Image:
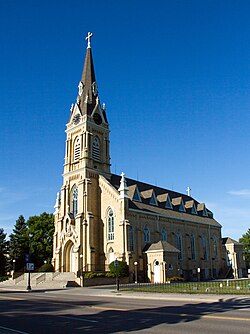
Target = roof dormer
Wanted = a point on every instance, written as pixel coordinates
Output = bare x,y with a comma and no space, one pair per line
134,194
165,198
150,196
190,207
178,204
201,209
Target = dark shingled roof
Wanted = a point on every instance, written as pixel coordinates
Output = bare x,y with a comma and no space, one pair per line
163,246
228,240
87,101
146,189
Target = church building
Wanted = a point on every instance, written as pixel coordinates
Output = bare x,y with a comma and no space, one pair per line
101,217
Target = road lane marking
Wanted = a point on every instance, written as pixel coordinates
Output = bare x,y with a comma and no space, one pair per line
78,319
12,298
107,308
42,299
13,330
224,318
198,316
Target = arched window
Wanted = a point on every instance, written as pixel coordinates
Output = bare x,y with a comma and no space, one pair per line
77,149
96,149
146,234
131,238
163,234
193,251
111,225
204,247
179,245
215,246
74,200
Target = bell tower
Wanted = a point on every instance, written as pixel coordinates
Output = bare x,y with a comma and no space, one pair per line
87,144
78,238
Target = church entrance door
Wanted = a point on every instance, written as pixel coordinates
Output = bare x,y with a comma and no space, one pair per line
157,272
68,258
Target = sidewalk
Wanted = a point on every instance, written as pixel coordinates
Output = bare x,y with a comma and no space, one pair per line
110,291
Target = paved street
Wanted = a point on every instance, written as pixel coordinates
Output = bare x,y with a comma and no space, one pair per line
93,310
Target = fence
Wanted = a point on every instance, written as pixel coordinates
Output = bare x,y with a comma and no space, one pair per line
223,286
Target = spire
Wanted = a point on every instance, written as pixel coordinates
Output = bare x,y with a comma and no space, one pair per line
87,93
123,189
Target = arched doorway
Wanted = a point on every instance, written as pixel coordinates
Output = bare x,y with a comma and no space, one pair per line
157,272
69,257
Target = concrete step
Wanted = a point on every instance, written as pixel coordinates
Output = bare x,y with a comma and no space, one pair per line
44,280
64,276
8,282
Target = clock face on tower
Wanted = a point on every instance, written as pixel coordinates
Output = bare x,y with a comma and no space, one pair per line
76,119
97,119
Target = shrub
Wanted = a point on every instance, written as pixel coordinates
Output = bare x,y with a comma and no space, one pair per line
46,268
176,279
121,270
4,278
109,274
90,275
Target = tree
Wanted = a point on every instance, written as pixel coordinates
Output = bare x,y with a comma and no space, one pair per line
41,230
121,269
3,251
19,243
245,240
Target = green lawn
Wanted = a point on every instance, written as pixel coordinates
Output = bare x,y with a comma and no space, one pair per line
212,287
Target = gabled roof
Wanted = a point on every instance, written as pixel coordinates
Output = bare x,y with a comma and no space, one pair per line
150,196
164,198
178,202
190,207
133,193
201,209
228,240
144,191
162,246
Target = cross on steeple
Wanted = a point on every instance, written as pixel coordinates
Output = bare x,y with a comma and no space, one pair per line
88,39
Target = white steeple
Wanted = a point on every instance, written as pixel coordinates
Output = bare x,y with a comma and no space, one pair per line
123,189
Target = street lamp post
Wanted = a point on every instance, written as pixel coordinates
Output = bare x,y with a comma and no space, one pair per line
116,264
81,264
136,271
198,274
14,265
28,264
28,286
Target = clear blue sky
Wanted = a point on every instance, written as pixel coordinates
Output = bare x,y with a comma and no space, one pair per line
175,77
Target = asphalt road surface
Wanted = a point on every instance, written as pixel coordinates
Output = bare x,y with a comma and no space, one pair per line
73,312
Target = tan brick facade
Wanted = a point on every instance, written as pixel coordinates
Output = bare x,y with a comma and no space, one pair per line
100,217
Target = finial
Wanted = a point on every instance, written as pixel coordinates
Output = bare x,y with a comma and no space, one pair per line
123,189
57,205
80,88
103,106
88,39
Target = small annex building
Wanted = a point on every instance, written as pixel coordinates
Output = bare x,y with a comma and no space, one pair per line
100,216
